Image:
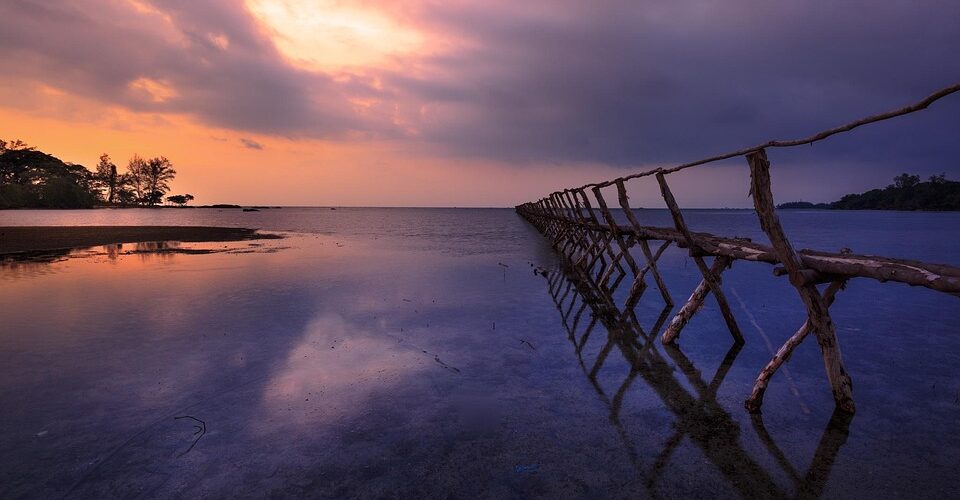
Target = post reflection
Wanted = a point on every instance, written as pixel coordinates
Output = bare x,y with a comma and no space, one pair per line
586,309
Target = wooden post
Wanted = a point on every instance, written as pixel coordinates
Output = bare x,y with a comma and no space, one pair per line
608,238
639,285
553,227
581,248
615,230
565,238
712,280
598,243
588,243
818,313
651,260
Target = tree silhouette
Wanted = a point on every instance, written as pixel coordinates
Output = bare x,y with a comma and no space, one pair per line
106,176
150,179
137,178
180,199
906,180
123,191
14,145
159,174
31,178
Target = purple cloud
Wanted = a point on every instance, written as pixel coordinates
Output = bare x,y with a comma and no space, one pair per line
621,83
173,59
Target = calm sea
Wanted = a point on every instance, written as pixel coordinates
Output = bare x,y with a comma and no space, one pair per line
415,353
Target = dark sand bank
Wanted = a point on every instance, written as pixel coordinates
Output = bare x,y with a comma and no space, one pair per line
18,239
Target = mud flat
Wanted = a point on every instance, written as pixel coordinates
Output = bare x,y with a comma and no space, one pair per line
19,239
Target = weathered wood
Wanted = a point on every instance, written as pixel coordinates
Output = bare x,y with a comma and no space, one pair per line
583,248
652,266
713,280
651,259
567,218
615,230
607,239
569,235
755,401
940,277
595,242
817,310
693,304
591,217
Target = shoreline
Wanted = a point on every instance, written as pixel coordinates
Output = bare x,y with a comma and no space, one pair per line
22,239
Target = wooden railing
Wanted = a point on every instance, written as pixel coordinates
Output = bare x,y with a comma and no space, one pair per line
584,230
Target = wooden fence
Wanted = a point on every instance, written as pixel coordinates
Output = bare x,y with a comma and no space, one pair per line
583,229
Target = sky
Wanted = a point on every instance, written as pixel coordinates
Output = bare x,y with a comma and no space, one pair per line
484,103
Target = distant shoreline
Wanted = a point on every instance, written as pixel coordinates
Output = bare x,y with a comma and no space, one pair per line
144,207
907,194
251,208
22,239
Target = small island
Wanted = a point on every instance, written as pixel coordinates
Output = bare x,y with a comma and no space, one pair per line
907,192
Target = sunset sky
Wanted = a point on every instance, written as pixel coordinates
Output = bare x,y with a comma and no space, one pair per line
485,103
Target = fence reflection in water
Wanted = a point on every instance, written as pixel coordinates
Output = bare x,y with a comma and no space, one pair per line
589,315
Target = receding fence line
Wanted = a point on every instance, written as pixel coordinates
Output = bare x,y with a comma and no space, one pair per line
600,251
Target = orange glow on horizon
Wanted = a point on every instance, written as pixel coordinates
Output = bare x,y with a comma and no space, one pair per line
338,102
213,164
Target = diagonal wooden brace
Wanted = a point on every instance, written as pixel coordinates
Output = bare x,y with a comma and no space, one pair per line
602,239
651,259
712,279
615,231
694,303
755,401
582,247
597,244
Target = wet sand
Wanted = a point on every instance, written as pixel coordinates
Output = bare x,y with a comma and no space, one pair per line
19,239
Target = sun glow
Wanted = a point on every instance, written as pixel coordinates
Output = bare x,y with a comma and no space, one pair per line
333,34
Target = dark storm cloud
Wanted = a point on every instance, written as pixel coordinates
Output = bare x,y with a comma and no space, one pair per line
627,83
622,83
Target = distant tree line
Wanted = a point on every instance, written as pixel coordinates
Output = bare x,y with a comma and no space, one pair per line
33,179
907,192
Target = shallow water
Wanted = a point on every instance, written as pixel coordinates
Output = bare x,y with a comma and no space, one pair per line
414,352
